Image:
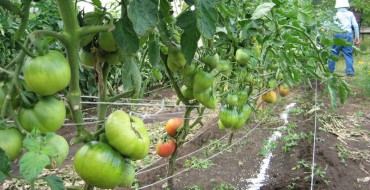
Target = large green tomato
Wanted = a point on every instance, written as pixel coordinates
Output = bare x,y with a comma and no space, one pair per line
11,141
99,165
241,56
47,74
61,145
127,134
47,115
129,175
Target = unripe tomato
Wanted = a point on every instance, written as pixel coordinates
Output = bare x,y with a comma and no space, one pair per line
211,60
99,165
47,115
47,74
176,58
272,83
87,58
202,81
229,116
241,56
11,141
61,146
232,99
165,149
107,42
157,73
113,59
172,125
129,175
187,92
242,97
127,134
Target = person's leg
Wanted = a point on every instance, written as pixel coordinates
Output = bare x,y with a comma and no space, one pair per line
348,55
334,51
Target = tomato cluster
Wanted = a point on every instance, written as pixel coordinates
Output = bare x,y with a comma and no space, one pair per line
166,146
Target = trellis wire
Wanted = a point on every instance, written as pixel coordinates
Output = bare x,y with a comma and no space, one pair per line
314,142
183,171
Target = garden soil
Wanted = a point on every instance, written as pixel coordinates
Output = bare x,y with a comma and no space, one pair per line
206,161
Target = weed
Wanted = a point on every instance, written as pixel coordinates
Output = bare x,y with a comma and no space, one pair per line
224,187
342,153
302,164
359,114
194,187
290,141
267,147
198,163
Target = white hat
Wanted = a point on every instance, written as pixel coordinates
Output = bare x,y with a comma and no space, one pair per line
341,3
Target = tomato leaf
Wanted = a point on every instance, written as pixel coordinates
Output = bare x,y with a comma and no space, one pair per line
32,164
153,52
125,36
342,94
341,42
32,143
190,36
262,10
189,2
48,148
4,163
97,3
54,182
207,17
132,77
332,95
3,176
143,15
166,12
305,16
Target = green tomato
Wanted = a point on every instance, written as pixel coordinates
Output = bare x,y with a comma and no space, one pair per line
272,83
113,59
232,99
187,92
107,42
176,58
129,175
99,165
207,98
229,117
61,145
157,73
220,125
245,111
11,141
241,56
202,81
127,134
87,58
242,97
47,74
211,60
189,70
47,115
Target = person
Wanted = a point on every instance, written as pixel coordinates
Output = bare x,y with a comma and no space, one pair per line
345,20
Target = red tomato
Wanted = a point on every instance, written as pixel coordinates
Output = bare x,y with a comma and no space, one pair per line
165,149
172,125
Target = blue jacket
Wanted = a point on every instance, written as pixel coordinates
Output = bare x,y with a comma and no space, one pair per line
345,20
